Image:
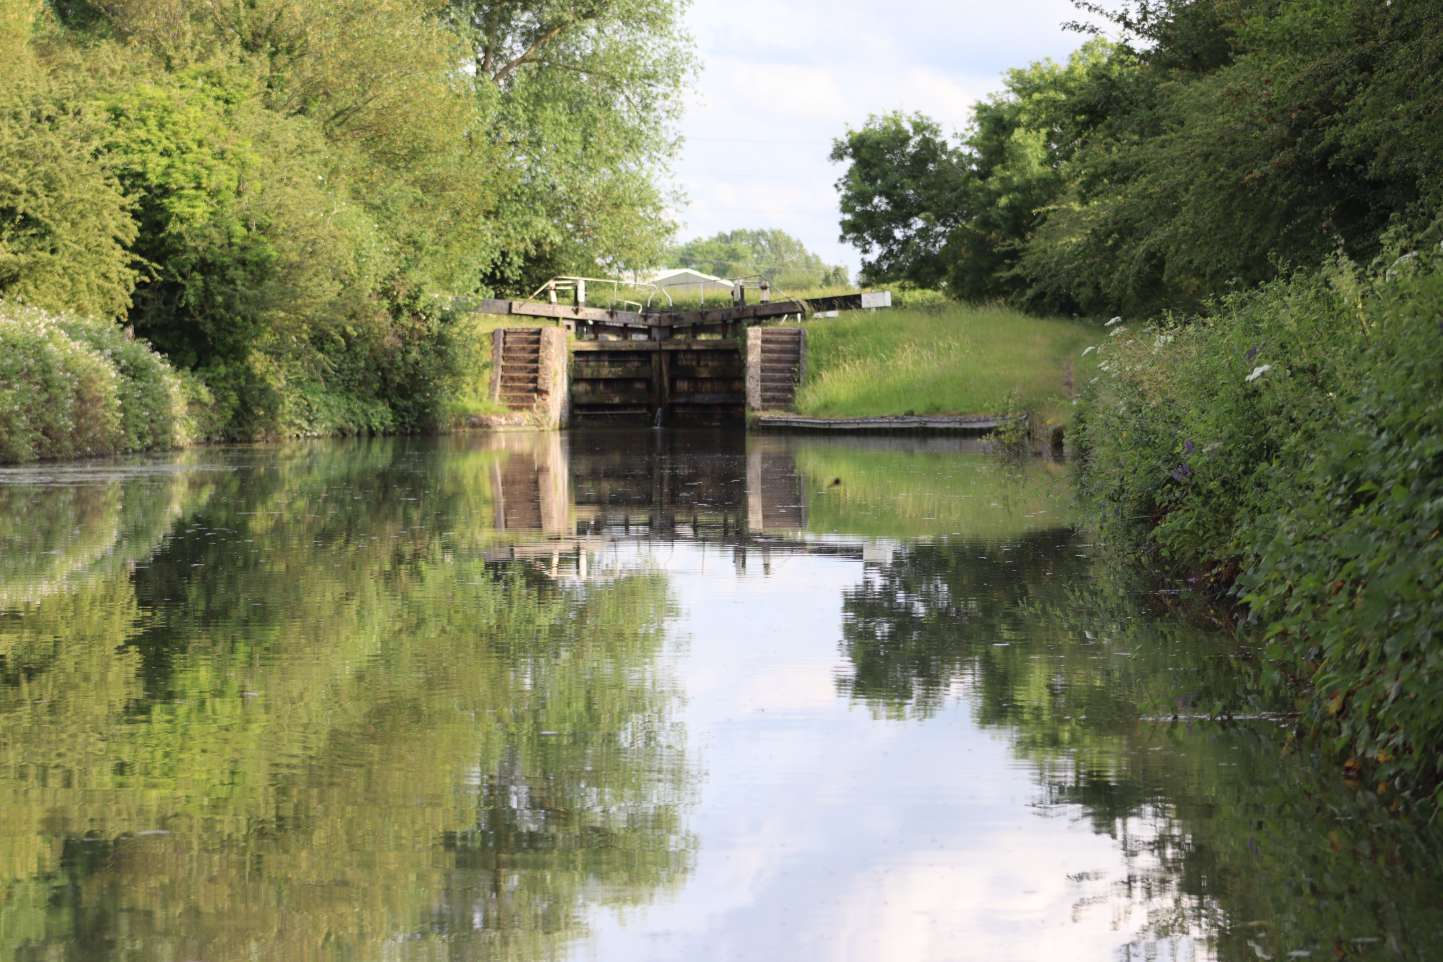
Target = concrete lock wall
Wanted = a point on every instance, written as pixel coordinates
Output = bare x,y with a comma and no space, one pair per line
555,404
550,402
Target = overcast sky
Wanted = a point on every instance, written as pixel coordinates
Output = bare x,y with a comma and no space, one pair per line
782,78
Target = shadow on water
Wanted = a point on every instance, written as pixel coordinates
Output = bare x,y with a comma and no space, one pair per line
416,700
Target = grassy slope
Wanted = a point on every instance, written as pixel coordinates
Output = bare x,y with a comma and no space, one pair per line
955,359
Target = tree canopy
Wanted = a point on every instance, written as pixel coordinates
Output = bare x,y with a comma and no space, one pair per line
284,195
774,254
1211,145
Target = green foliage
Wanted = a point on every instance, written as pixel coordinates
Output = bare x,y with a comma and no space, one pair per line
1290,443
1348,580
580,100
899,197
1214,146
774,254
65,224
933,213
72,388
274,193
58,398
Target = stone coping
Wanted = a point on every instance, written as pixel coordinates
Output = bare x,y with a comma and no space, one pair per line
959,423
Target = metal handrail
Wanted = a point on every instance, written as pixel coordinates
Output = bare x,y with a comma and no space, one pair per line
577,283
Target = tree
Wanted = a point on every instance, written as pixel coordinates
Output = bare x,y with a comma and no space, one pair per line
900,197
64,222
958,214
283,194
581,97
1210,147
774,254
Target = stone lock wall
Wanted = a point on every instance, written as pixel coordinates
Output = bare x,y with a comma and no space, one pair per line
548,400
776,364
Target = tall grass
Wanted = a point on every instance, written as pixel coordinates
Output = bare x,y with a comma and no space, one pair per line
945,359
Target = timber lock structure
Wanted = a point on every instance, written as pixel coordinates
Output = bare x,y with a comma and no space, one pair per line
578,362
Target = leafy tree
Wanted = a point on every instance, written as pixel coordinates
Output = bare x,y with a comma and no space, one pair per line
301,184
580,97
957,215
774,254
64,222
901,197
1208,146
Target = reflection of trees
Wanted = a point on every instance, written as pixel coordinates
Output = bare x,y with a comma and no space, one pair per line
1223,830
316,724
915,626
53,536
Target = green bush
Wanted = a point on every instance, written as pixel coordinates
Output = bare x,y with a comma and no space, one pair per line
1347,579
1288,448
58,398
72,388
152,401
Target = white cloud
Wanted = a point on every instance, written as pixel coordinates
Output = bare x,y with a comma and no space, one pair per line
781,80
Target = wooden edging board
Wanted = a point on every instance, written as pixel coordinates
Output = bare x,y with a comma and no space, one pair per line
966,424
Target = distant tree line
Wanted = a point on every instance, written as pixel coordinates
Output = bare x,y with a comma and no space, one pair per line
1213,145
774,254
283,195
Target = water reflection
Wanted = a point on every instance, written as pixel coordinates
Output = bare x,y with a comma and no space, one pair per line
284,708
640,695
1231,847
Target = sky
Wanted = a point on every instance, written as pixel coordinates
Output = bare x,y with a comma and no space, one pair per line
922,838
782,78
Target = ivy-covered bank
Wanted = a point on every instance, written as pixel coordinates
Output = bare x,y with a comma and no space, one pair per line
1285,451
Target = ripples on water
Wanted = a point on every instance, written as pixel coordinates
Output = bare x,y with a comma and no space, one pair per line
628,696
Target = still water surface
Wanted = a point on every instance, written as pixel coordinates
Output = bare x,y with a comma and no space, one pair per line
639,696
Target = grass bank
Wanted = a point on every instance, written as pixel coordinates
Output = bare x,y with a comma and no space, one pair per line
1286,451
944,359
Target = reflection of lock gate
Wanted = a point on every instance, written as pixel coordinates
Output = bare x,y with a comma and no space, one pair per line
567,507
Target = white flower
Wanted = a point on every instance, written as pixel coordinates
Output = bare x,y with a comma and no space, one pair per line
1258,372
1114,322
1116,331
1089,350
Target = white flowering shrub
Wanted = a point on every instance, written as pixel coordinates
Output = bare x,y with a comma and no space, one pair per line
73,388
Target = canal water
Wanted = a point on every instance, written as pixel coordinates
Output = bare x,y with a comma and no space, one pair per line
646,695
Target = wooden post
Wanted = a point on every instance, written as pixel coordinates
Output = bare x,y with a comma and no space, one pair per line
660,389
